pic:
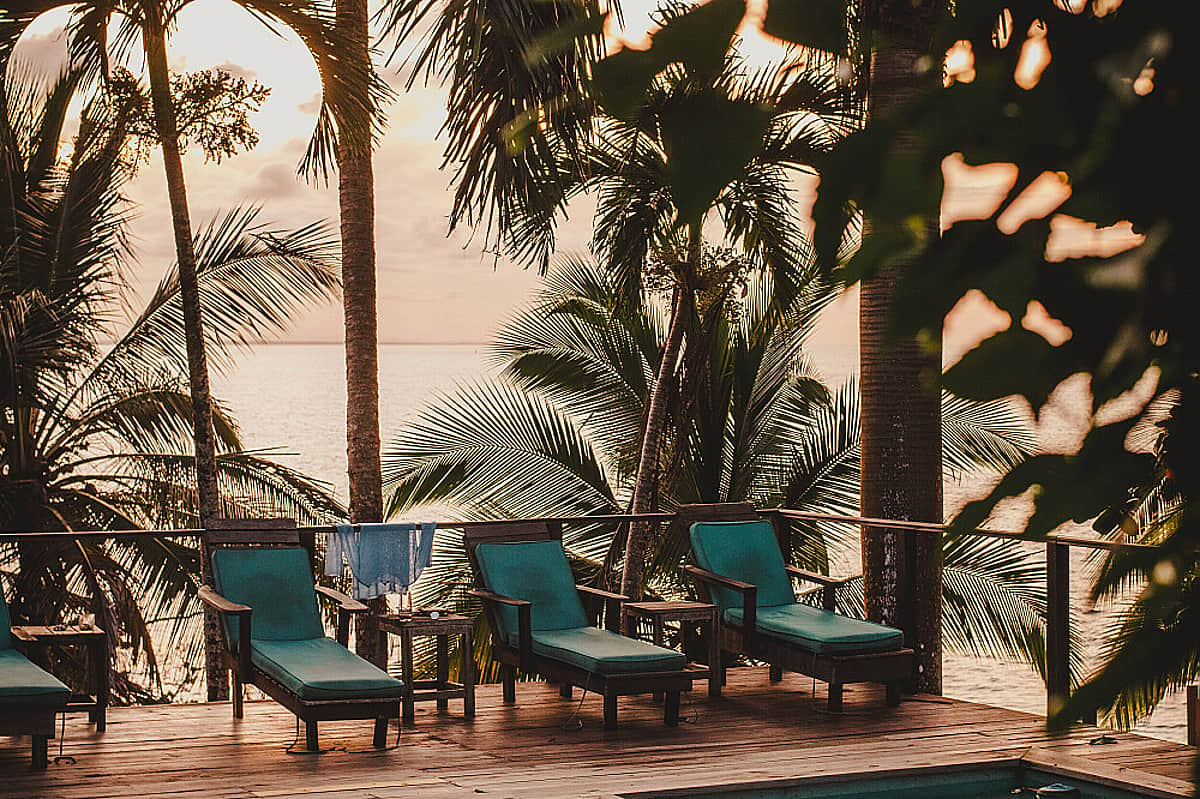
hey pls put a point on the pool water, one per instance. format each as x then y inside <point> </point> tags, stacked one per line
<point>1004,781</point>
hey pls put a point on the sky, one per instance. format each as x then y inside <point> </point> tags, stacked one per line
<point>422,273</point>
<point>433,288</point>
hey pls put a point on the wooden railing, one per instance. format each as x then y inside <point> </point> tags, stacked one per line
<point>1058,571</point>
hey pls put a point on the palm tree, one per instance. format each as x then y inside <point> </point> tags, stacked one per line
<point>641,227</point>
<point>554,436</point>
<point>902,446</point>
<point>526,141</point>
<point>95,439</point>
<point>350,91</point>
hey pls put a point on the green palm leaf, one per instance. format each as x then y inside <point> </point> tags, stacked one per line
<point>252,279</point>
<point>492,450</point>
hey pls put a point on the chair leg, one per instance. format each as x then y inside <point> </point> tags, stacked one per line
<point>508,676</point>
<point>381,728</point>
<point>41,758</point>
<point>893,694</point>
<point>565,690</point>
<point>776,673</point>
<point>671,709</point>
<point>237,696</point>
<point>310,736</point>
<point>610,711</point>
<point>835,697</point>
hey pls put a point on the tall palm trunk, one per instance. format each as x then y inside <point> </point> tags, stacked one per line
<point>154,41</point>
<point>645,482</point>
<point>356,197</point>
<point>901,407</point>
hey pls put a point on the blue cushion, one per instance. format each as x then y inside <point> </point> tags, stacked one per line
<point>603,652</point>
<point>277,583</point>
<point>321,668</point>
<point>22,682</point>
<point>821,631</point>
<point>747,551</point>
<point>538,572</point>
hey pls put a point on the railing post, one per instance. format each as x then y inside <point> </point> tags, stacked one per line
<point>1193,715</point>
<point>1058,625</point>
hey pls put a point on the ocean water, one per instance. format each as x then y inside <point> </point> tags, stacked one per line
<point>291,400</point>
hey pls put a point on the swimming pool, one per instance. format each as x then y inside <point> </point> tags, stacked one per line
<point>995,780</point>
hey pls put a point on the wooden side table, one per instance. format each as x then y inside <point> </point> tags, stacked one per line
<point>686,613</point>
<point>408,626</point>
<point>95,698</point>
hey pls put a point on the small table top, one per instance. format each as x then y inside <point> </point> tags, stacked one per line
<point>62,632</point>
<point>676,609</point>
<point>418,621</point>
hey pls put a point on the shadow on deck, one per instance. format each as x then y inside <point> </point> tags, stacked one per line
<point>546,746</point>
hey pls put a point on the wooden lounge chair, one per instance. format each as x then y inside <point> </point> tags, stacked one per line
<point>30,697</point>
<point>274,637</point>
<point>740,567</point>
<point>539,624</point>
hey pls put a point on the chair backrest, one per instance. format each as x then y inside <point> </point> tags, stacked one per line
<point>744,550</point>
<point>526,561</point>
<point>5,625</point>
<point>260,563</point>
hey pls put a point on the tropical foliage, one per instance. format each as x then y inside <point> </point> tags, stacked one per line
<point>532,124</point>
<point>555,435</point>
<point>1097,118</point>
<point>97,436</point>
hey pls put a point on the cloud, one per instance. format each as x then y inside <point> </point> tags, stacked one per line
<point>310,106</point>
<point>238,71</point>
<point>275,181</point>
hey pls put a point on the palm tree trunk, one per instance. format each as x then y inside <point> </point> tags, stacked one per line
<point>645,480</point>
<point>901,405</point>
<point>356,197</point>
<point>154,41</point>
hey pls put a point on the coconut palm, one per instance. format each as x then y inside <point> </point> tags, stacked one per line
<point>526,141</point>
<point>553,437</point>
<point>643,229</point>
<point>350,92</point>
<point>95,438</point>
<point>902,447</point>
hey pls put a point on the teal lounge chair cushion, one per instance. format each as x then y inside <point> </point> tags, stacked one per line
<point>22,682</point>
<point>603,652</point>
<point>538,572</point>
<point>821,631</point>
<point>277,583</point>
<point>321,668</point>
<point>747,551</point>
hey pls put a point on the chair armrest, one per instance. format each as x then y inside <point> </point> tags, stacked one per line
<point>612,605</point>
<point>829,585</point>
<point>346,603</point>
<point>228,608</point>
<point>748,591</point>
<point>719,579</point>
<point>346,607</point>
<point>219,603</point>
<point>524,623</point>
<point>23,635</point>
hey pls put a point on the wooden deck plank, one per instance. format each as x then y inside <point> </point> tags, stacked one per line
<point>756,732</point>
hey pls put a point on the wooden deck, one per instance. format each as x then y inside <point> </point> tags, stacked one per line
<point>537,748</point>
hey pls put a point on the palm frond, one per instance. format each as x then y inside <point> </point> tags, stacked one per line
<point>993,435</point>
<point>252,280</point>
<point>495,451</point>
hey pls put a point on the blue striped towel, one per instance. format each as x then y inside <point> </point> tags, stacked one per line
<point>383,558</point>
